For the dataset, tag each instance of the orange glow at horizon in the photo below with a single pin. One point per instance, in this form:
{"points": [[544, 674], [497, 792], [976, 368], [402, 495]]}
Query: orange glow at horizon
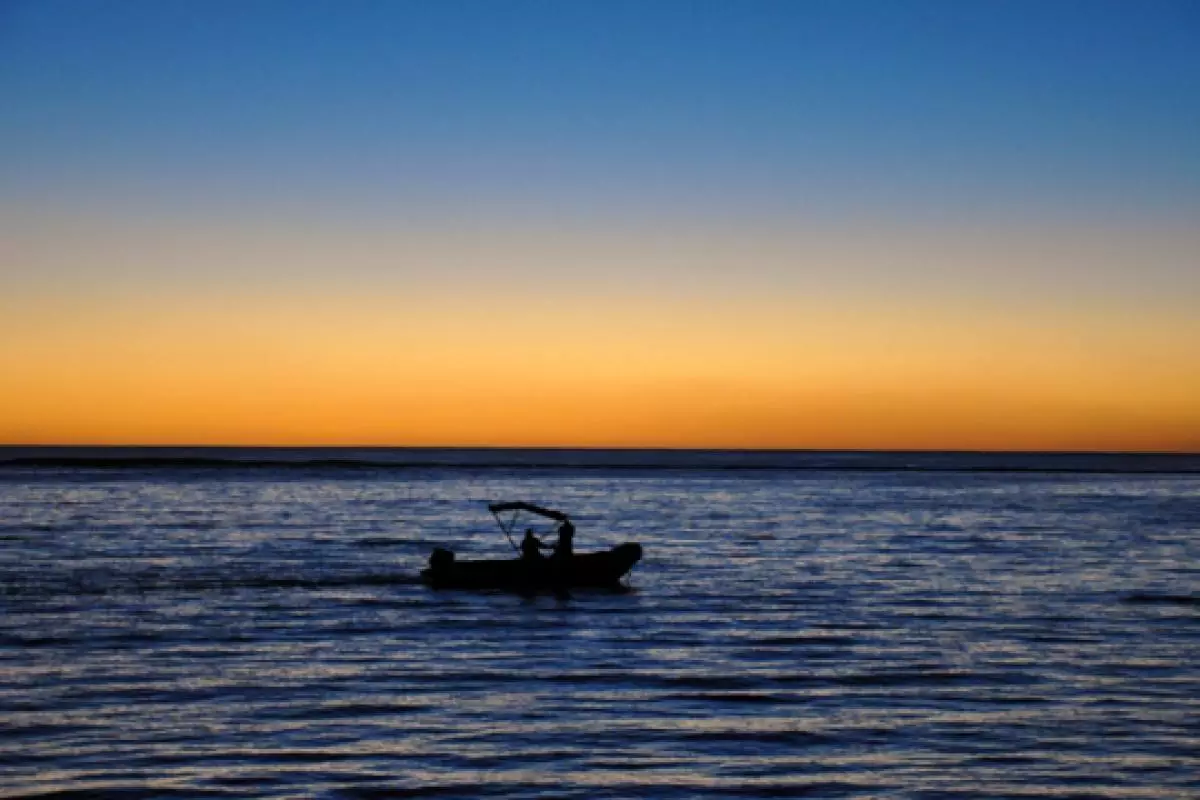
{"points": [[774, 374]]}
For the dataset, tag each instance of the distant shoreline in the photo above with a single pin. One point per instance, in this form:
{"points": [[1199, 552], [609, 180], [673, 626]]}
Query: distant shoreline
{"points": [[401, 458]]}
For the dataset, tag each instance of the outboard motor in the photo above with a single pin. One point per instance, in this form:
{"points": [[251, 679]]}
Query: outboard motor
{"points": [[442, 559]]}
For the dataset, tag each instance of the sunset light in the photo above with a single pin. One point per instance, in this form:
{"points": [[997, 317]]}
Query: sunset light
{"points": [[423, 229]]}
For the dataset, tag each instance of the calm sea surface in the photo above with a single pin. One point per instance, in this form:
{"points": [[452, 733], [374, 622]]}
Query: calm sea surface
{"points": [[863, 627]]}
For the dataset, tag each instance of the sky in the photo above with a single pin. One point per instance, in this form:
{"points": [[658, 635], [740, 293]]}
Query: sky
{"points": [[863, 224]]}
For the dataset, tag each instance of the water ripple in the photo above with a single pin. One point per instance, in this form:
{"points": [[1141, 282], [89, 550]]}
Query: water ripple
{"points": [[232, 633]]}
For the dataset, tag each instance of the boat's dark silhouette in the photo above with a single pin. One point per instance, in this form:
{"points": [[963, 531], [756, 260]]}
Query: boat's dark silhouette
{"points": [[560, 572]]}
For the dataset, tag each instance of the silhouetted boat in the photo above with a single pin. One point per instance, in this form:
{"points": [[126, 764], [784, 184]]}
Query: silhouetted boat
{"points": [[601, 570]]}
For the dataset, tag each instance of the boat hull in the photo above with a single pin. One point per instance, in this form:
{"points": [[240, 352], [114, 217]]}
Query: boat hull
{"points": [[602, 570]]}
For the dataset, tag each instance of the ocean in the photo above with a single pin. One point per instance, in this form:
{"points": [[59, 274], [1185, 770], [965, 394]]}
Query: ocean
{"points": [[190, 622]]}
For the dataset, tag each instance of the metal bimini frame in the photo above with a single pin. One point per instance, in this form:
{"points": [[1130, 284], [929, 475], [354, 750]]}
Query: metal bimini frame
{"points": [[517, 508]]}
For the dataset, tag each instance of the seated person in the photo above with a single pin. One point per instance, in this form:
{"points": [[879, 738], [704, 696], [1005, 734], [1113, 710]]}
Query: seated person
{"points": [[531, 546]]}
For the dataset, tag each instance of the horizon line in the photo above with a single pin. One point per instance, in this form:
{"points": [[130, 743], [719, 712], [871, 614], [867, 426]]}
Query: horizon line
{"points": [[600, 448]]}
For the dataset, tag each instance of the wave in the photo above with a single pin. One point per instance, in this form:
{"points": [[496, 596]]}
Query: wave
{"points": [[122, 584], [118, 792], [383, 541], [1147, 598], [390, 459]]}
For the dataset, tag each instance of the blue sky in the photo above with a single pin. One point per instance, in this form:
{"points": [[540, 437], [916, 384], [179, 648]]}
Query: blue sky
{"points": [[716, 105]]}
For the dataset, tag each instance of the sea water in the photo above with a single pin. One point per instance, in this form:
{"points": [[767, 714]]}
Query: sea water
{"points": [[250, 624]]}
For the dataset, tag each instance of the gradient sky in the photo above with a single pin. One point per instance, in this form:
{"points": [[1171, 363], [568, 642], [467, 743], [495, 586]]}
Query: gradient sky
{"points": [[856, 224]]}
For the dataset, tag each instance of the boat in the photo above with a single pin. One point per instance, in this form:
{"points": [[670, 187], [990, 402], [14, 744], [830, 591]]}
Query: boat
{"points": [[599, 570]]}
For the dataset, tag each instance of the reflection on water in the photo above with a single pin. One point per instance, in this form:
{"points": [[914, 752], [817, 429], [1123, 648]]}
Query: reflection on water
{"points": [[176, 632]]}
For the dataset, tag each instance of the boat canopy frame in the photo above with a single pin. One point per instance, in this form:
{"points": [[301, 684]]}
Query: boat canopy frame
{"points": [[517, 507], [496, 508]]}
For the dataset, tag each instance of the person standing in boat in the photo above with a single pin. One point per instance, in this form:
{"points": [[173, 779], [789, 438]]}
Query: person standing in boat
{"points": [[564, 548], [560, 560]]}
